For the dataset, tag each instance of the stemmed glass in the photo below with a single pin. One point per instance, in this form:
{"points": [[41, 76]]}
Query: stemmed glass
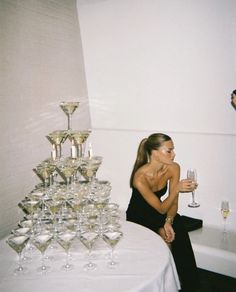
{"points": [[18, 243], [112, 237], [65, 239], [41, 241], [89, 167], [192, 175], [68, 108], [78, 139], [29, 207], [225, 213], [88, 238]]}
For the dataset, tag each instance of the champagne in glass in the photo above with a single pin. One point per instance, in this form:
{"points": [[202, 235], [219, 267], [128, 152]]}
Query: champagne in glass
{"points": [[192, 175], [41, 241], [88, 238], [65, 239], [225, 213], [18, 243], [69, 108], [112, 237]]}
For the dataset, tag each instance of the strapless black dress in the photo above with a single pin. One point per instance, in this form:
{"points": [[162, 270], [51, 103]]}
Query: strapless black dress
{"points": [[140, 212]]}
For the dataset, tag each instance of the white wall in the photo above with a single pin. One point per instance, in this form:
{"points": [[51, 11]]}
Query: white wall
{"points": [[169, 66], [41, 64]]}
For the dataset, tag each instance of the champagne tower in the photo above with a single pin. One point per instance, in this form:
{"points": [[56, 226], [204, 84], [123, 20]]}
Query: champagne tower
{"points": [[68, 196]]}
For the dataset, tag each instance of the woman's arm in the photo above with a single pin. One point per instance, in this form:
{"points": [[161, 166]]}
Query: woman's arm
{"points": [[142, 184]]}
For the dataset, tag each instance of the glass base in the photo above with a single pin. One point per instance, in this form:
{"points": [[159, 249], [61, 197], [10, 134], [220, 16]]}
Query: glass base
{"points": [[112, 264], [193, 205], [67, 267], [20, 271], [90, 266], [43, 269]]}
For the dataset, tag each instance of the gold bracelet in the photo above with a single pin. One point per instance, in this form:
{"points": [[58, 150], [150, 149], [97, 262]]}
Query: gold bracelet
{"points": [[169, 219]]}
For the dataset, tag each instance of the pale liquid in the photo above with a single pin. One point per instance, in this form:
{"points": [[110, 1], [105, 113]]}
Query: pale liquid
{"points": [[30, 206], [69, 107], [65, 240], [225, 213], [68, 171], [89, 240], [112, 238], [55, 208], [18, 243], [42, 241]]}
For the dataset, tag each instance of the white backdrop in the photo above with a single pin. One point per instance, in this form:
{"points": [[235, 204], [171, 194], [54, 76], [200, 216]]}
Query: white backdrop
{"points": [[41, 64], [169, 66]]}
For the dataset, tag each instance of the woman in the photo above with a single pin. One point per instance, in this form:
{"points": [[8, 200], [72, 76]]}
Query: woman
{"points": [[154, 172], [233, 99]]}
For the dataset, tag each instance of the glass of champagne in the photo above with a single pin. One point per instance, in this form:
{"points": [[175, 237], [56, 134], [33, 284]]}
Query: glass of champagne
{"points": [[41, 241], [112, 237], [192, 175], [68, 108], [225, 213], [18, 243], [65, 239], [88, 238]]}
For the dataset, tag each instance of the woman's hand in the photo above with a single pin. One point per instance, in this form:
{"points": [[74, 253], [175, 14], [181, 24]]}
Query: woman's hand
{"points": [[167, 232], [187, 185]]}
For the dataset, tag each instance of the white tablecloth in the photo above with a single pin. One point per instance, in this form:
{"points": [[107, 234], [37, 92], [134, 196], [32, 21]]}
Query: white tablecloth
{"points": [[145, 265]]}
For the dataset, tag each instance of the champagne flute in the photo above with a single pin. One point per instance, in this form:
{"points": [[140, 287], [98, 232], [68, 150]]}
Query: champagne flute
{"points": [[192, 175], [65, 239], [88, 238], [18, 243], [225, 213], [112, 237]]}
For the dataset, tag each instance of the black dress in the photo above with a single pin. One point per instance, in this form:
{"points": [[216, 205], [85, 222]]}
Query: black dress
{"points": [[140, 212]]}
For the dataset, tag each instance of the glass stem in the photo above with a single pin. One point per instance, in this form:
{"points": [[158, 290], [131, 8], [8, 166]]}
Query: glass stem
{"points": [[20, 268], [67, 259], [112, 256], [224, 230], [43, 267], [193, 196], [69, 122]]}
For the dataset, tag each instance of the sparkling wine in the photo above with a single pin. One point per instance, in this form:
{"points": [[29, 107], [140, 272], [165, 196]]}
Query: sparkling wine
{"points": [[112, 237], [225, 213], [18, 242], [65, 239], [42, 241]]}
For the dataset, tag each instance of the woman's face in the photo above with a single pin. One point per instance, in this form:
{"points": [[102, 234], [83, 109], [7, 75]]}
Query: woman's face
{"points": [[165, 154]]}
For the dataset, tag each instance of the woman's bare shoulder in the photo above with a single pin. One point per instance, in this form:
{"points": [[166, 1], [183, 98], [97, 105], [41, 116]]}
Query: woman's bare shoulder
{"points": [[140, 177], [174, 168]]}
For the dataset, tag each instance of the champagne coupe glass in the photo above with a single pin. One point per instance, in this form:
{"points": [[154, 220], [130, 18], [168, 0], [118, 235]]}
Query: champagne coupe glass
{"points": [[41, 241], [112, 237], [192, 175], [67, 167], [88, 238], [225, 213], [89, 167], [65, 239], [56, 138], [29, 207], [18, 243], [78, 138], [68, 108]]}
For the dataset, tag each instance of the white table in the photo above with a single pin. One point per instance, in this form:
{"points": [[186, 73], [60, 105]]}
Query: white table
{"points": [[145, 265]]}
